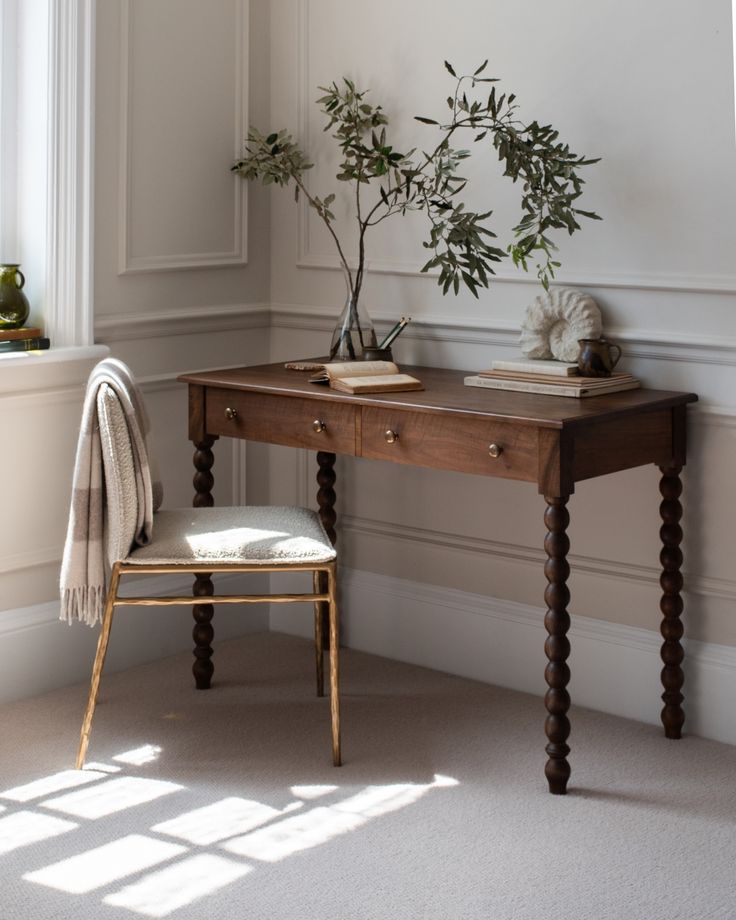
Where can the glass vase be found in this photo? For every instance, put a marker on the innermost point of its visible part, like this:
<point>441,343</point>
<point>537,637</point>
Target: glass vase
<point>354,331</point>
<point>14,306</point>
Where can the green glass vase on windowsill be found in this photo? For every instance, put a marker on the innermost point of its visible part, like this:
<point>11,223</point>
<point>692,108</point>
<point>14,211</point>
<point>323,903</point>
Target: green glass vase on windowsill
<point>14,306</point>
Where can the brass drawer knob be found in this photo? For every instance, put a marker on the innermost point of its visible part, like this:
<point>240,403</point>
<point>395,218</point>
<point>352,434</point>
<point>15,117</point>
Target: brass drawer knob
<point>391,436</point>
<point>495,450</point>
<point>231,413</point>
<point>318,426</point>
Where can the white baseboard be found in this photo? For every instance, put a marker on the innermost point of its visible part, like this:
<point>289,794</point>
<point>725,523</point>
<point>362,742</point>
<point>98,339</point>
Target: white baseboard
<point>41,654</point>
<point>614,668</point>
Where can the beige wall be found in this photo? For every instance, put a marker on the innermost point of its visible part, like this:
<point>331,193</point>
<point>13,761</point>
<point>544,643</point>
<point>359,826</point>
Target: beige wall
<point>630,83</point>
<point>189,290</point>
<point>199,283</point>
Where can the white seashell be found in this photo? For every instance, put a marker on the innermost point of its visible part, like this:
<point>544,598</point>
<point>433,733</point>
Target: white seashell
<point>556,320</point>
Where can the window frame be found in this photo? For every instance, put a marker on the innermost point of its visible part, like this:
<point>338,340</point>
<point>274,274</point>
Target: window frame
<point>9,134</point>
<point>62,253</point>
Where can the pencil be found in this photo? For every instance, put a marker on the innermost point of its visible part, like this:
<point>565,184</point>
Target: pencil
<point>390,335</point>
<point>395,332</point>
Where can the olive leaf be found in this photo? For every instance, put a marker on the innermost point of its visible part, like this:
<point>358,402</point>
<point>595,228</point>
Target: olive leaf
<point>459,239</point>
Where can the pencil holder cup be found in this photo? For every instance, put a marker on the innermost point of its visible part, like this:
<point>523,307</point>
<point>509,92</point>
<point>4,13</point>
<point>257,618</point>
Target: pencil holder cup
<point>377,354</point>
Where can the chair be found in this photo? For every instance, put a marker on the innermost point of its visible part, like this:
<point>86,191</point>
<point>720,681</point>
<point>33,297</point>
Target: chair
<point>202,540</point>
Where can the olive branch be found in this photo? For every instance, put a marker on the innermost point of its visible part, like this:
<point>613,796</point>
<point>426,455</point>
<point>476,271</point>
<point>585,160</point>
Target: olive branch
<point>459,239</point>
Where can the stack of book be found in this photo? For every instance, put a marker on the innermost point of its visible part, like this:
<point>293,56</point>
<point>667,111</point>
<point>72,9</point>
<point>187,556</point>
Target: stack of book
<point>551,378</point>
<point>27,338</point>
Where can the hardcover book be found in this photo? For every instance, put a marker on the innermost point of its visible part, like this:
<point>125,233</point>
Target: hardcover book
<point>536,366</point>
<point>584,386</point>
<point>578,381</point>
<point>35,344</point>
<point>366,377</point>
<point>24,332</point>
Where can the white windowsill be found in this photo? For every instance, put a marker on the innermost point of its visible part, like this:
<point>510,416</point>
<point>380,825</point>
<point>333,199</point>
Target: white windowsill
<point>57,367</point>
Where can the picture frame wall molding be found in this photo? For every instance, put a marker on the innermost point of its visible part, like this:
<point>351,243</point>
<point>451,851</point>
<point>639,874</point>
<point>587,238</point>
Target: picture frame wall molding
<point>128,261</point>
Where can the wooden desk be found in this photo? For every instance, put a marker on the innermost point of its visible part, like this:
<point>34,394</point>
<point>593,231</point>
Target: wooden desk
<point>551,441</point>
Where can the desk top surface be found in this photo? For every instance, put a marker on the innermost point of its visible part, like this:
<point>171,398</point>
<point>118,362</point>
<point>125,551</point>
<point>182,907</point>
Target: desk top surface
<point>445,392</point>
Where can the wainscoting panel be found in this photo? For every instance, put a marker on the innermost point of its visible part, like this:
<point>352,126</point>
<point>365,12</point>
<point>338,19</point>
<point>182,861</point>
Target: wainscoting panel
<point>445,570</point>
<point>176,210</point>
<point>42,653</point>
<point>639,251</point>
<point>614,668</point>
<point>40,404</point>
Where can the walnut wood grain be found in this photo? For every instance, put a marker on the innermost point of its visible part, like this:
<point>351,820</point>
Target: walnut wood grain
<point>326,498</point>
<point>555,448</point>
<point>549,440</point>
<point>203,481</point>
<point>282,420</point>
<point>449,443</point>
<point>623,443</point>
<point>197,420</point>
<point>445,393</point>
<point>203,632</point>
<point>557,645</point>
<point>671,603</point>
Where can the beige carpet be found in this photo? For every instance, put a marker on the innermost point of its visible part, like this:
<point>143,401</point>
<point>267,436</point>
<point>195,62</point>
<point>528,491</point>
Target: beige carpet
<point>224,804</point>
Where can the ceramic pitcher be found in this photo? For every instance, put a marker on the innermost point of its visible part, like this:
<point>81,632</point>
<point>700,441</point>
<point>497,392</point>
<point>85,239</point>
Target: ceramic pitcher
<point>597,357</point>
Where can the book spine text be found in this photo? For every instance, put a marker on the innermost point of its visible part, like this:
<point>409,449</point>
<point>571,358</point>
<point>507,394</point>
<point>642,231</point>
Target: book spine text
<point>35,344</point>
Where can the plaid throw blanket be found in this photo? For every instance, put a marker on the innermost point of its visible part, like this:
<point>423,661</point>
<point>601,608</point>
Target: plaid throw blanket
<point>82,582</point>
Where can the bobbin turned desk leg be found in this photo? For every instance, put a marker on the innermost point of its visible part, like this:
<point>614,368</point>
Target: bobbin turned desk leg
<point>671,604</point>
<point>557,645</point>
<point>326,499</point>
<point>203,632</point>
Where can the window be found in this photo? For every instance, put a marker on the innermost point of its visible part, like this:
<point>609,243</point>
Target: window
<point>9,133</point>
<point>46,158</point>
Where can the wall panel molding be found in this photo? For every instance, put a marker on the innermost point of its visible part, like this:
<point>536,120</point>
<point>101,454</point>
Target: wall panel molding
<point>501,642</point>
<point>238,253</point>
<point>200,320</point>
<point>18,562</point>
<point>72,395</point>
<point>704,349</point>
<point>35,634</point>
<point>305,258</point>
<point>643,575</point>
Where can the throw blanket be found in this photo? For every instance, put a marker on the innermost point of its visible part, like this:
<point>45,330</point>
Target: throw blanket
<point>82,582</point>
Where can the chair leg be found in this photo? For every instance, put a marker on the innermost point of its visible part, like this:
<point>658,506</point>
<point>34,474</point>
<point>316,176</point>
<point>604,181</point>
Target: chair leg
<point>318,650</point>
<point>97,668</point>
<point>334,667</point>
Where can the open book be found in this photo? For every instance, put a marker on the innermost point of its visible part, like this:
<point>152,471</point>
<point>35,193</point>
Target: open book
<point>366,377</point>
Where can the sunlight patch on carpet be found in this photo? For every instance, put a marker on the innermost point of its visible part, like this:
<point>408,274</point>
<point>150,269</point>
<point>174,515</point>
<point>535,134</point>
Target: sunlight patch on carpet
<point>139,756</point>
<point>311,792</point>
<point>114,795</point>
<point>162,892</point>
<point>322,824</point>
<point>103,767</point>
<point>57,782</point>
<point>221,820</point>
<point>26,827</point>
<point>98,867</point>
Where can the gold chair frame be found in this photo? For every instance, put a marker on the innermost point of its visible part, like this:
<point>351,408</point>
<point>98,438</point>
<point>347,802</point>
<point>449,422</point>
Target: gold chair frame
<point>317,597</point>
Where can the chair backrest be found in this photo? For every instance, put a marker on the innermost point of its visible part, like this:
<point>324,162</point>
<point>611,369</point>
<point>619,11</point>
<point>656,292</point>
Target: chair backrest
<point>121,495</point>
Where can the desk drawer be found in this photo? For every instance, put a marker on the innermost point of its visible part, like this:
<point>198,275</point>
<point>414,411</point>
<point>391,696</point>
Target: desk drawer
<point>281,420</point>
<point>449,443</point>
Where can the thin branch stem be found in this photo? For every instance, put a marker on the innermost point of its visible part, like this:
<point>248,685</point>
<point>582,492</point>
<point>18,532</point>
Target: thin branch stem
<point>327,223</point>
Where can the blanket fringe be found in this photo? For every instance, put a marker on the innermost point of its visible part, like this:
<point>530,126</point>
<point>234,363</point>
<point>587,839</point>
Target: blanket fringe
<point>83,603</point>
